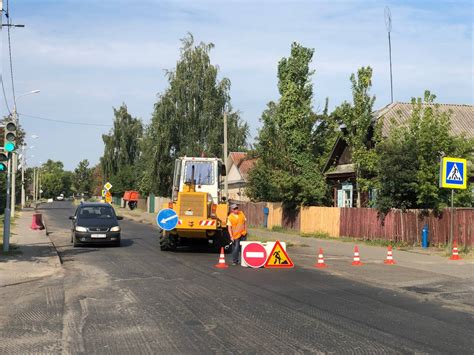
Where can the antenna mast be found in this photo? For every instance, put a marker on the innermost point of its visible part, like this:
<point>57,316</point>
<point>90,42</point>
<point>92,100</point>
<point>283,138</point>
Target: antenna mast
<point>388,26</point>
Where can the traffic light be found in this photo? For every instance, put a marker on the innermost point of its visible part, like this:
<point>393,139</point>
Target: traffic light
<point>10,136</point>
<point>3,162</point>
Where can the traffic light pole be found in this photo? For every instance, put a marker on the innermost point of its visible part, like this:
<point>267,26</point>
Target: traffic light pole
<point>13,194</point>
<point>6,222</point>
<point>14,168</point>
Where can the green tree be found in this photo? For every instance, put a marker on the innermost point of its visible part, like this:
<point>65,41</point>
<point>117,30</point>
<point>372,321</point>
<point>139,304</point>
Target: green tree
<point>261,186</point>
<point>97,180</point>
<point>408,160</point>
<point>53,179</point>
<point>188,118</point>
<point>122,151</point>
<point>285,144</point>
<point>359,132</point>
<point>82,178</point>
<point>324,135</point>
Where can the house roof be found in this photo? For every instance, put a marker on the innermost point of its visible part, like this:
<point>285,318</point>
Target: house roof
<point>462,116</point>
<point>243,163</point>
<point>398,113</point>
<point>342,170</point>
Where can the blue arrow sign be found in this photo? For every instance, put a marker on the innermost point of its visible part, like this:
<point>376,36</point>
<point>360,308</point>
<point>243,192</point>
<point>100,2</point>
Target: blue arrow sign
<point>167,219</point>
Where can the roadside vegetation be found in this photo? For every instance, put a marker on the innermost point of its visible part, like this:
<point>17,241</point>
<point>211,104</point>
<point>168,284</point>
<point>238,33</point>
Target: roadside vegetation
<point>291,147</point>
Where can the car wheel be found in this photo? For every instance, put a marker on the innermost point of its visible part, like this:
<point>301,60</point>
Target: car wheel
<point>76,243</point>
<point>117,243</point>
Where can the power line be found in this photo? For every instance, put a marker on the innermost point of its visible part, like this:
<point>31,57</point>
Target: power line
<point>10,54</point>
<point>4,94</point>
<point>65,122</point>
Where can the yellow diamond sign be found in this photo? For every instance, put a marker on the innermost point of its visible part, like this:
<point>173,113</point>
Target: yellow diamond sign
<point>108,186</point>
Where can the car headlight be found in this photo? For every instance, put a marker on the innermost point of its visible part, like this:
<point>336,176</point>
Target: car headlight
<point>81,229</point>
<point>115,229</point>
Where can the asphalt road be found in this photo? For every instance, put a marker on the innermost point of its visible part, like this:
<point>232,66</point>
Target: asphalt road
<point>136,299</point>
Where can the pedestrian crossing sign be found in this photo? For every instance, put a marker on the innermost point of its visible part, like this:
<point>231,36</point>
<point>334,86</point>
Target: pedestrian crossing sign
<point>278,258</point>
<point>453,173</point>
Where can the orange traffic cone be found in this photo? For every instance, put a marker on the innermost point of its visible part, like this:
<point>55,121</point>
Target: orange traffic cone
<point>356,261</point>
<point>320,263</point>
<point>389,260</point>
<point>222,264</point>
<point>455,255</point>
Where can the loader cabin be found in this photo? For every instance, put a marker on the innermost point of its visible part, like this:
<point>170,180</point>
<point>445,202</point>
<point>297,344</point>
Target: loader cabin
<point>207,174</point>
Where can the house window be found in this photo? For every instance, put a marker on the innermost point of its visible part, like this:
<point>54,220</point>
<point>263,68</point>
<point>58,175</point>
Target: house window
<point>345,196</point>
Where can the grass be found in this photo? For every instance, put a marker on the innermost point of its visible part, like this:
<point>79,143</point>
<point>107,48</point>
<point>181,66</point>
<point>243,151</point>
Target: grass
<point>281,229</point>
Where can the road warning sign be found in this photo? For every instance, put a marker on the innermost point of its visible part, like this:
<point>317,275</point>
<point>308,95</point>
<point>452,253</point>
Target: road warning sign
<point>254,254</point>
<point>453,174</point>
<point>278,258</point>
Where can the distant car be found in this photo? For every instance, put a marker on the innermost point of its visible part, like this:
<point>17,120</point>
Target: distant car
<point>60,197</point>
<point>95,223</point>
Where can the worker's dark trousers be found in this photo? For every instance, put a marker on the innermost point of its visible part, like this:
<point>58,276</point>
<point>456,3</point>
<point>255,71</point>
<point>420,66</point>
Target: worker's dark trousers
<point>236,249</point>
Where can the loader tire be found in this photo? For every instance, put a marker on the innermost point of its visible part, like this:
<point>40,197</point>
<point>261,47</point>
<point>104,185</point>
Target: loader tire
<point>167,242</point>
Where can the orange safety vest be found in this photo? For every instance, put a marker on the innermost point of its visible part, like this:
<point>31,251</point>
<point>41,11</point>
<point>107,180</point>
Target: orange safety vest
<point>237,222</point>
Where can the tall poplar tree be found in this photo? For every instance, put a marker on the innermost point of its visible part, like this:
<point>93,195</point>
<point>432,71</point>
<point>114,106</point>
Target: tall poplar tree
<point>188,118</point>
<point>287,169</point>
<point>82,178</point>
<point>122,151</point>
<point>359,132</point>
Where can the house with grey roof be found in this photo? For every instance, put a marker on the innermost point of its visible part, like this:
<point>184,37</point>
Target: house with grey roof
<point>339,169</point>
<point>238,168</point>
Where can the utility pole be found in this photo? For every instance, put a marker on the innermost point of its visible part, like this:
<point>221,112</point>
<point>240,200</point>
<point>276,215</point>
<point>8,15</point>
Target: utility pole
<point>23,160</point>
<point>15,156</point>
<point>14,168</point>
<point>34,184</point>
<point>39,183</point>
<point>6,223</point>
<point>226,192</point>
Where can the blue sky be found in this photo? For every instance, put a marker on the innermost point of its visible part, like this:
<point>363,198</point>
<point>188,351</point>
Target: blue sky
<point>89,56</point>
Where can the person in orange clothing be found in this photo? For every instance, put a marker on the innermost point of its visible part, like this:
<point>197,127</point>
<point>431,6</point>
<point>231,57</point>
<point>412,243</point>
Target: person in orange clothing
<point>237,226</point>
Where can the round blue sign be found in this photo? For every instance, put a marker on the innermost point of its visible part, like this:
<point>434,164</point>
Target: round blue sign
<point>167,219</point>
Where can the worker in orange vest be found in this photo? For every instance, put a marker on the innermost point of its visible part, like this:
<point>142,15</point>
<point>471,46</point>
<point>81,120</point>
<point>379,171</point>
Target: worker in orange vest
<point>237,226</point>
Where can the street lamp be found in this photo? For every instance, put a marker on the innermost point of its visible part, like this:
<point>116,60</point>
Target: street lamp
<point>23,167</point>
<point>15,158</point>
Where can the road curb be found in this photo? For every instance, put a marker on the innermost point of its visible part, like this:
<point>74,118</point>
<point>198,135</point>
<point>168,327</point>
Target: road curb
<point>52,245</point>
<point>54,250</point>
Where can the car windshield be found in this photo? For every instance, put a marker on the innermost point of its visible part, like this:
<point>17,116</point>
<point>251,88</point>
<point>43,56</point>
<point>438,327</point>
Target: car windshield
<point>100,212</point>
<point>203,172</point>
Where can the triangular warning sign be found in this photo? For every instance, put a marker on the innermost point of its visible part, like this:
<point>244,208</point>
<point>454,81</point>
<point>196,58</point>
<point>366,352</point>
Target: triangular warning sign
<point>278,258</point>
<point>454,174</point>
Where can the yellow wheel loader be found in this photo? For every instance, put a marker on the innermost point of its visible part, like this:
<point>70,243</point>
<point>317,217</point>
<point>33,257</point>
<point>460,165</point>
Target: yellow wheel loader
<point>198,200</point>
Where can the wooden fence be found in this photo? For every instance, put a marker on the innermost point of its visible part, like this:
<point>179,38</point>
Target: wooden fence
<point>253,212</point>
<point>365,223</point>
<point>407,226</point>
